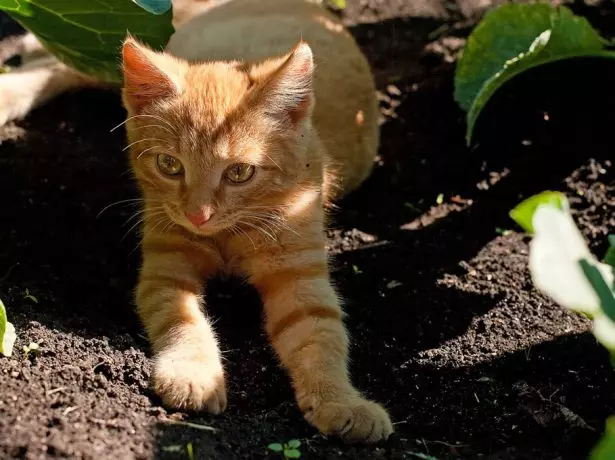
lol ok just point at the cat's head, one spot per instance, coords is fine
(218, 144)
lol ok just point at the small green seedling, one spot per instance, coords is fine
(289, 449)
(177, 448)
(190, 451)
(502, 231)
(356, 270)
(29, 296)
(32, 349)
(440, 199)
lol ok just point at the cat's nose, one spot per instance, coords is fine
(201, 217)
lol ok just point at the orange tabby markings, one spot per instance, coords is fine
(271, 283)
(295, 317)
(295, 106)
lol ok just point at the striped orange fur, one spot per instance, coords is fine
(237, 148)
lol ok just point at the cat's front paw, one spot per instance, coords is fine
(353, 418)
(190, 381)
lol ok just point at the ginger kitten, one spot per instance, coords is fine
(237, 141)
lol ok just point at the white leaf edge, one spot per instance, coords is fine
(555, 253)
(8, 340)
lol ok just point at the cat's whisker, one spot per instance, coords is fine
(144, 140)
(169, 226)
(159, 220)
(151, 212)
(274, 222)
(143, 237)
(143, 116)
(266, 223)
(147, 150)
(272, 160)
(242, 231)
(131, 200)
(157, 126)
(136, 224)
(127, 172)
(133, 216)
(259, 229)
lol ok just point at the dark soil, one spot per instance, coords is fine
(448, 330)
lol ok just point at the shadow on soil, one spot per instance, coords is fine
(522, 393)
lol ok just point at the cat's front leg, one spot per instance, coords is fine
(304, 321)
(188, 372)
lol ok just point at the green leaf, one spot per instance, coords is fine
(87, 35)
(513, 39)
(605, 449)
(292, 453)
(602, 289)
(7, 333)
(523, 213)
(33, 348)
(609, 258)
(294, 443)
(29, 296)
(276, 447)
(3, 321)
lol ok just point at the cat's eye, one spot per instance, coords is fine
(239, 173)
(169, 165)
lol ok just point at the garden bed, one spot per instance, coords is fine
(447, 329)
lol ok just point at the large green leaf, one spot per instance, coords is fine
(513, 39)
(87, 34)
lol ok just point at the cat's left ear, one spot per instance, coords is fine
(149, 76)
(288, 92)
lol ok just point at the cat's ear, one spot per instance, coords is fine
(149, 76)
(288, 93)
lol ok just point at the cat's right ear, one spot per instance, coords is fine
(149, 76)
